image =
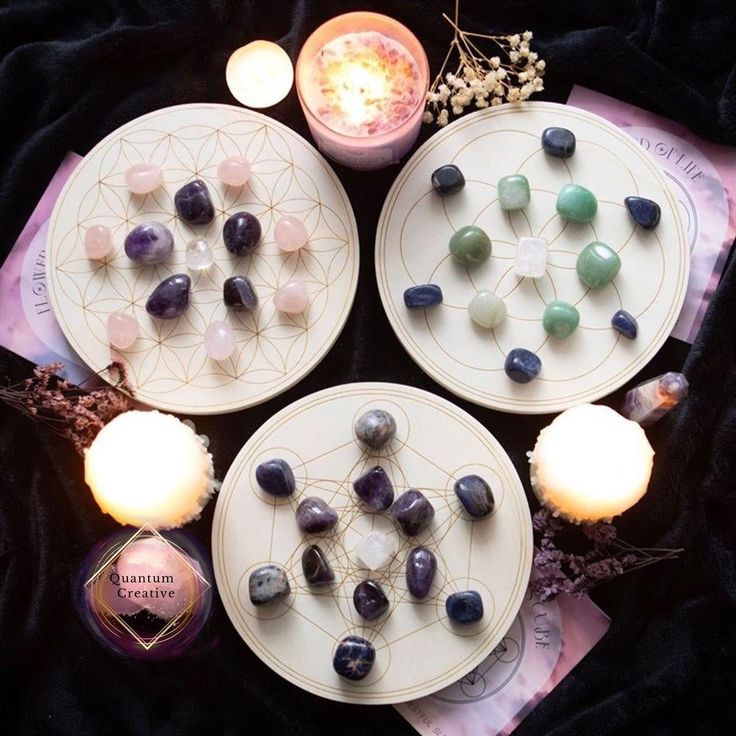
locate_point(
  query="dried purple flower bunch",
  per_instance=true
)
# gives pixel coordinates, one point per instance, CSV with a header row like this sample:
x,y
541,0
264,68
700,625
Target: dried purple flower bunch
x,y
576,573
70,411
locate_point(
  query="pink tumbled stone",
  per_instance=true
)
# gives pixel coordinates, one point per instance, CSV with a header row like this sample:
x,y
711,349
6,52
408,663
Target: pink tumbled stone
x,y
143,178
98,242
290,233
122,330
219,341
234,171
292,298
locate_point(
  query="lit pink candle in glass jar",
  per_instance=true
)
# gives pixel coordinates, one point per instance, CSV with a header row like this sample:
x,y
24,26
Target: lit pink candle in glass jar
x,y
362,80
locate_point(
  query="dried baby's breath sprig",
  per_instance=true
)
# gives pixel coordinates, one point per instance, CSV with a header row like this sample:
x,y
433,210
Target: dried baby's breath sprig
x,y
482,80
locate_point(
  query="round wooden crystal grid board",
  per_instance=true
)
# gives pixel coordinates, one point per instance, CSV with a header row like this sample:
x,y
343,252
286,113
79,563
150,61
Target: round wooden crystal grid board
x,y
412,248
168,365
418,650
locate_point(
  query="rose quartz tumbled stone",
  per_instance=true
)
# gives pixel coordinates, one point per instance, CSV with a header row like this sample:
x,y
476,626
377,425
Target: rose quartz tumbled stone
x,y
292,298
122,330
219,341
143,178
98,242
290,233
234,171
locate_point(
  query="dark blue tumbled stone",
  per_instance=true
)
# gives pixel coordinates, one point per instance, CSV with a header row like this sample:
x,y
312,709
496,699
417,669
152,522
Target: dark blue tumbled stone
x,y
170,298
423,296
241,233
421,565
559,142
316,568
374,487
369,600
238,293
447,179
522,365
465,607
643,211
276,477
354,658
413,512
475,495
193,203
625,323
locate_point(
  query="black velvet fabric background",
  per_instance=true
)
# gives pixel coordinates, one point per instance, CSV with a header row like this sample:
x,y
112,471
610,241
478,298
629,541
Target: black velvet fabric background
x,y
70,73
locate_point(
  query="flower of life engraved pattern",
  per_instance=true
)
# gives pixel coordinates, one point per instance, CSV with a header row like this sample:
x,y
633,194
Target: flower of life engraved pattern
x,y
168,363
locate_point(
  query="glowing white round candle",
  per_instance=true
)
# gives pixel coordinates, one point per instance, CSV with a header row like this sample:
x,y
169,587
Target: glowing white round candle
x,y
259,74
149,468
590,464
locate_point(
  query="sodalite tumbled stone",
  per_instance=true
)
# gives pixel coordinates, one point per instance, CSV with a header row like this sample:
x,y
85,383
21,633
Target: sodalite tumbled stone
x,y
522,365
513,192
193,203
597,264
238,293
486,309
413,511
470,246
375,489
447,180
375,428
369,600
268,583
576,203
560,319
241,233
354,658
421,566
150,242
559,142
625,324
276,477
314,515
465,607
643,211
475,495
170,298
316,568
422,296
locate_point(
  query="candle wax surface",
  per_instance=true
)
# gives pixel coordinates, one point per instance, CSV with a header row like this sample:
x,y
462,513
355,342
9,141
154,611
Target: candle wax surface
x,y
367,84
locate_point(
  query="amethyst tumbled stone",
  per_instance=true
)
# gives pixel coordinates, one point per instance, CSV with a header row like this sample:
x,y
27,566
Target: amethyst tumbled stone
x,y
413,512
314,515
238,293
375,428
170,298
276,477
354,658
374,487
369,599
316,568
193,203
475,495
150,242
241,233
421,565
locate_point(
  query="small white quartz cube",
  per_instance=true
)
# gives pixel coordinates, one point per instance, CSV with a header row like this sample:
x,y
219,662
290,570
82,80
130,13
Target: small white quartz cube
x,y
531,257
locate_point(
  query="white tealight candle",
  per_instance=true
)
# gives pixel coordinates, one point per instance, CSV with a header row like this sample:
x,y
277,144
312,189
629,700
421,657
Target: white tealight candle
x,y
259,74
149,468
590,464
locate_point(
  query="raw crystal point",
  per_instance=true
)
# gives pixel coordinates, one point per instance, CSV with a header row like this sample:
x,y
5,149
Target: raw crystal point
x,y
198,256
560,319
148,243
170,298
522,365
276,477
219,341
290,233
316,568
650,401
486,309
531,257
513,192
470,246
193,203
369,600
98,242
465,607
597,264
644,212
268,583
122,330
375,428
576,203
143,178
413,512
238,293
354,658
376,550
422,296
374,487
421,566
241,233
447,180
559,142
314,515
625,324
233,171
292,298
475,495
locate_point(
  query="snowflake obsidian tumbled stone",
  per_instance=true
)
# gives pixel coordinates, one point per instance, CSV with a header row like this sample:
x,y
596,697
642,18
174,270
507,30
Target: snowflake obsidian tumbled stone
x,y
170,298
375,489
475,495
193,203
268,583
413,511
369,600
150,242
354,658
276,477
465,607
559,142
375,428
447,180
241,233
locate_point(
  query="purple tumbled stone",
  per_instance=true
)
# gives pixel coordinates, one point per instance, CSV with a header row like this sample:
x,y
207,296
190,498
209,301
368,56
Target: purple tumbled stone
x,y
374,487
369,600
316,568
314,515
650,401
241,233
150,242
413,512
421,565
170,298
193,203
238,293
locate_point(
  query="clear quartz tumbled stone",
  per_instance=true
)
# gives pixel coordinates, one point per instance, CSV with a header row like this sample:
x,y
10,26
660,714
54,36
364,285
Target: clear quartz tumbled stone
x,y
531,257
198,255
376,550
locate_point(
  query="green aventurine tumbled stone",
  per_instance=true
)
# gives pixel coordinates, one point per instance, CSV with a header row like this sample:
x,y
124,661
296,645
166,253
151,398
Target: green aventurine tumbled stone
x,y
597,264
470,246
576,203
513,192
560,319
